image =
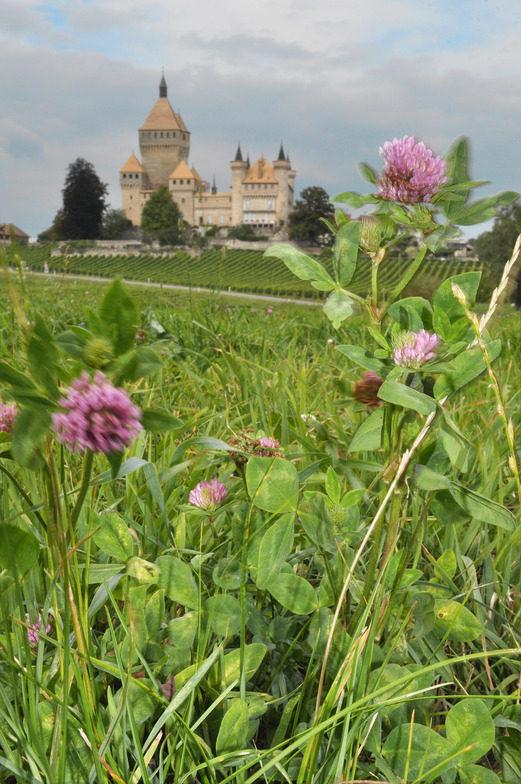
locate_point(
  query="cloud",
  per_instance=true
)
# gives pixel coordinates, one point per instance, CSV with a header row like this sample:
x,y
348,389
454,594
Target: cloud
x,y
82,80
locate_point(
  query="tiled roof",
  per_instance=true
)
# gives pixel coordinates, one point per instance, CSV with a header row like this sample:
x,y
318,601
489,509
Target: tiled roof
x,y
261,171
132,165
182,172
163,118
5,230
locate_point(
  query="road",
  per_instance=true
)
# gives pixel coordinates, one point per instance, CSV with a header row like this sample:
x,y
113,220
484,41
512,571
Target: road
x,y
168,286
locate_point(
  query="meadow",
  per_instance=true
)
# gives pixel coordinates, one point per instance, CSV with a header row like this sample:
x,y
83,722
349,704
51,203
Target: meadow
x,y
250,543
242,657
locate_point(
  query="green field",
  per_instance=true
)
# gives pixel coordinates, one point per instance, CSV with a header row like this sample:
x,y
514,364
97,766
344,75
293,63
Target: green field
x,y
329,621
239,270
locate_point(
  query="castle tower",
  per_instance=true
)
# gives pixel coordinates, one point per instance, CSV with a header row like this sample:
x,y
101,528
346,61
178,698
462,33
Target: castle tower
x,y
164,140
285,193
133,180
183,185
239,169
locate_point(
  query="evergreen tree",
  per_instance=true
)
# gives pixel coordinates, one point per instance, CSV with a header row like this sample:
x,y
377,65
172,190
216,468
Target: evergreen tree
x,y
304,222
161,218
83,202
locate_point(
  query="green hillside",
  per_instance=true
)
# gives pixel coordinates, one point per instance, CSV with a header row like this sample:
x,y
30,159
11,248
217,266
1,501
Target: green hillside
x,y
238,270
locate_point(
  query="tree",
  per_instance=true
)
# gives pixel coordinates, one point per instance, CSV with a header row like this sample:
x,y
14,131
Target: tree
x,y
55,232
304,222
495,247
83,202
161,218
115,225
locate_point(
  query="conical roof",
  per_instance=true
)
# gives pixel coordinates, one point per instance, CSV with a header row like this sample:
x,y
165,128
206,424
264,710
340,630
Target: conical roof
x,y
182,172
163,118
132,166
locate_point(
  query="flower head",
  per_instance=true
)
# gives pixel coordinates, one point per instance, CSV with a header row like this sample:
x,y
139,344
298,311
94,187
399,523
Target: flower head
x,y
208,495
411,172
366,390
34,629
7,417
98,416
412,349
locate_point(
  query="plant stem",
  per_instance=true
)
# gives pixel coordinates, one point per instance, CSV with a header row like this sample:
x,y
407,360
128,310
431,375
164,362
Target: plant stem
x,y
86,472
411,272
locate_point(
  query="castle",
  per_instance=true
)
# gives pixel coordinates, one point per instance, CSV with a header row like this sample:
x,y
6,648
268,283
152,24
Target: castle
x,y
262,195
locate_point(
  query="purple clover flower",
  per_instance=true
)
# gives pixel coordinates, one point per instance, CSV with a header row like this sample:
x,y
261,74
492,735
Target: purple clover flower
x,y
99,416
7,417
412,349
208,495
411,172
34,629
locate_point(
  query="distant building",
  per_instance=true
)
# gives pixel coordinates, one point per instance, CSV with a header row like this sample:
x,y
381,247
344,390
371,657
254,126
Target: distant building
x,y
20,236
262,195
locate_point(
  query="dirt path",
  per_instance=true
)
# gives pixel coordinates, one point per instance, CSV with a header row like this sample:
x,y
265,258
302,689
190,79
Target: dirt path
x,y
168,286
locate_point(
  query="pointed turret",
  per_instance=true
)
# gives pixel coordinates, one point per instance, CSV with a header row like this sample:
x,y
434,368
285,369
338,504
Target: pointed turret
x,y
238,154
281,157
214,186
162,87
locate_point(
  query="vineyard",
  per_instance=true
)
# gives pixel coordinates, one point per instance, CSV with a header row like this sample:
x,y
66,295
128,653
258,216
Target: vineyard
x,y
237,270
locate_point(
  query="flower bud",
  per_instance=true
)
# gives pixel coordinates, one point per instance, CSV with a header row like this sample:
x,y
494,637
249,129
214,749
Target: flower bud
x,y
98,352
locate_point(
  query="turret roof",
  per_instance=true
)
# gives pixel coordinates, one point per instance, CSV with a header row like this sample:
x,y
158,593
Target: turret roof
x,y
163,118
261,171
132,165
183,172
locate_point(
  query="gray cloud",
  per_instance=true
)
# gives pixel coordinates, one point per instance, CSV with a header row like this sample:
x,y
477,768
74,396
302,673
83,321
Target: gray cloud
x,y
330,106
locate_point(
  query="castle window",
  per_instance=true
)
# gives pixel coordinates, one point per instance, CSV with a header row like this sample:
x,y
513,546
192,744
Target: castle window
x,y
161,134
183,200
222,218
184,136
247,204
270,204
124,176
244,217
210,219
254,217
265,217
181,182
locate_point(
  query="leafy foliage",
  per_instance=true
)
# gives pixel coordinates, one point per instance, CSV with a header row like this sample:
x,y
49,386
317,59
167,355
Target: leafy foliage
x,y
161,218
115,225
305,221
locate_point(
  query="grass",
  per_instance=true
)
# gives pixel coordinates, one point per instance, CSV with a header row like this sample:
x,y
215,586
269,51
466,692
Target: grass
x,y
251,644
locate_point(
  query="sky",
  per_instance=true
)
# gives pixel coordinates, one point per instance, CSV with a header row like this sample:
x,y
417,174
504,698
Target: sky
x,y
332,81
